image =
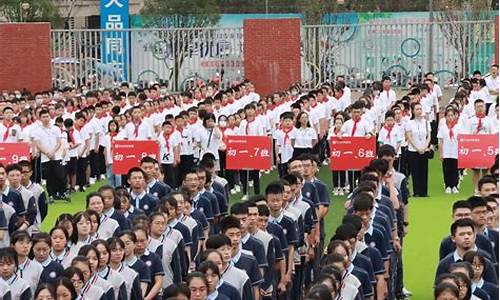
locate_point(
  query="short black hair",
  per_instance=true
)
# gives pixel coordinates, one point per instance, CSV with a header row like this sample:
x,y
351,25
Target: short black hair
x,y
461,204
239,208
477,201
461,223
148,159
274,188
486,179
134,170
353,220
216,241
229,222
386,150
362,202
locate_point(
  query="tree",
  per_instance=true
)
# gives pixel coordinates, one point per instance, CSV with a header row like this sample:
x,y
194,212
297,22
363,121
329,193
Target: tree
x,y
458,22
178,15
37,11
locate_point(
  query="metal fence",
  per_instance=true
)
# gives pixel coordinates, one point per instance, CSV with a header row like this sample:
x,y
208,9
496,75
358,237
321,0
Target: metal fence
x,y
361,52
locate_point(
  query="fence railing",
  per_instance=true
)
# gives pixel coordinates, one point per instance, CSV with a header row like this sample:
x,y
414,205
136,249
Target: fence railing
x,y
181,57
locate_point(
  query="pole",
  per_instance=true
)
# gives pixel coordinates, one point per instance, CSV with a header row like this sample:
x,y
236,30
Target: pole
x,y
267,7
430,48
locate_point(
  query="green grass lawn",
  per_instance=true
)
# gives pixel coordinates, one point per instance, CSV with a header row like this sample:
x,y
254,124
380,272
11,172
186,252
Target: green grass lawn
x,y
429,222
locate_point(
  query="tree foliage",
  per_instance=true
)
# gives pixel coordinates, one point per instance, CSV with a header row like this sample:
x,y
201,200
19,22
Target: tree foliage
x,y
180,13
39,11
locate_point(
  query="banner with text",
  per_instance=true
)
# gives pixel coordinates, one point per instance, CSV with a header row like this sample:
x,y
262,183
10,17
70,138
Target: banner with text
x,y
128,154
248,153
477,150
351,153
12,153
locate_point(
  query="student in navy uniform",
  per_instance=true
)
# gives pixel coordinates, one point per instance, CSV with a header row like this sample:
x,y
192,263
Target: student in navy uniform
x,y
465,269
126,207
462,210
219,252
131,260
14,176
154,186
248,242
274,199
191,184
42,243
200,231
231,227
152,260
463,235
218,189
131,277
13,199
37,190
212,273
19,288
205,178
139,198
111,206
478,262
479,209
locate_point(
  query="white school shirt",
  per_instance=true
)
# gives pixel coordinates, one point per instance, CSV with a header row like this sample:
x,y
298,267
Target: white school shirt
x,y
253,128
436,92
210,141
262,119
427,102
285,148
84,136
114,278
4,288
12,136
394,139
450,145
30,270
26,132
174,140
418,130
129,275
487,125
144,132
107,227
235,277
168,249
9,213
107,144
493,83
362,128
386,98
303,137
94,129
17,286
481,94
48,136
186,141
77,140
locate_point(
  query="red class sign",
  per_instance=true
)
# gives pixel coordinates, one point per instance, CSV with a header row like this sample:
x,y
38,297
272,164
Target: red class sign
x,y
351,153
477,151
248,153
128,154
12,153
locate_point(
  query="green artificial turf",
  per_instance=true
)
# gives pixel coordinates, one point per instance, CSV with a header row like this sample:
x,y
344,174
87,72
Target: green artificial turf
x,y
430,219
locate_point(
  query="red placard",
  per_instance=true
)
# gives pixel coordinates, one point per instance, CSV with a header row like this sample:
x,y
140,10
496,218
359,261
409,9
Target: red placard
x,y
12,153
477,150
248,153
351,153
128,154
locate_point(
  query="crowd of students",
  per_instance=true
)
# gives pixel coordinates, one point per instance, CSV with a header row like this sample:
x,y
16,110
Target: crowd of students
x,y
166,229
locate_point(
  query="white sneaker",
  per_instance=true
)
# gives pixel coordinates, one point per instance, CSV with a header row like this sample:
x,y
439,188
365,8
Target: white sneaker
x,y
91,180
77,188
233,192
454,190
341,192
250,184
103,177
407,292
325,163
237,188
336,191
244,198
448,190
465,172
267,172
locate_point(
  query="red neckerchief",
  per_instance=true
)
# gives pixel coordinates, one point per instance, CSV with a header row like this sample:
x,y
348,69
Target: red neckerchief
x,y
247,127
313,106
71,136
136,129
167,142
180,129
324,100
191,122
9,126
450,127
480,117
355,126
387,92
389,130
230,101
287,136
336,130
